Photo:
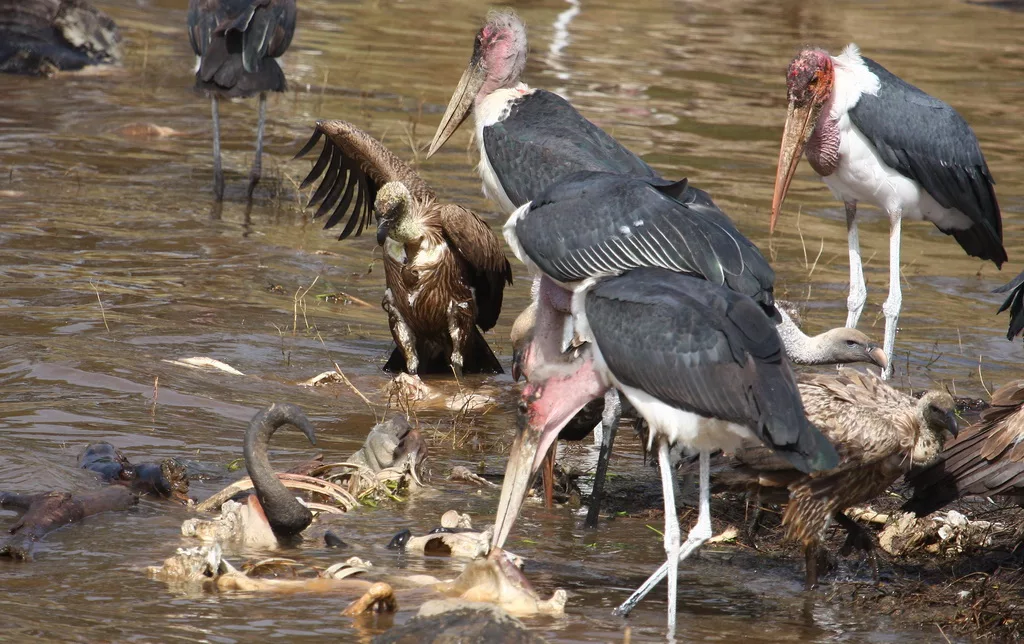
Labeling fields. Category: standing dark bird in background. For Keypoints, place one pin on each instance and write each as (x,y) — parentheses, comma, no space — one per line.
(880,434)
(885,142)
(445,270)
(986,460)
(236,42)
(39,37)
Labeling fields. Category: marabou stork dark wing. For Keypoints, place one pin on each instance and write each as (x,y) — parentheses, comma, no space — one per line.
(1015,302)
(986,460)
(233,37)
(472,238)
(595,223)
(354,166)
(544,139)
(707,350)
(926,140)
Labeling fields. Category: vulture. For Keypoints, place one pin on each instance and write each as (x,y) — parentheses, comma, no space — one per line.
(444,269)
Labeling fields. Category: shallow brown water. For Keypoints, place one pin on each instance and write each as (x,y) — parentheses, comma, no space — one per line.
(89,214)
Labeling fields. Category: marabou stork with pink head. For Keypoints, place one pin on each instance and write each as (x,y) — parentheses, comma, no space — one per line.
(876,139)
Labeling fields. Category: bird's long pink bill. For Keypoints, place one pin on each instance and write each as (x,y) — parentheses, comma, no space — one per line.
(460,105)
(800,122)
(551,405)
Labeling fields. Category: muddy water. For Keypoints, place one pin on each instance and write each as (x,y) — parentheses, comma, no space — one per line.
(114,259)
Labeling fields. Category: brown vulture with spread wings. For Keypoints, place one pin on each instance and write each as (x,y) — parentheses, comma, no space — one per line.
(445,270)
(986,460)
(880,434)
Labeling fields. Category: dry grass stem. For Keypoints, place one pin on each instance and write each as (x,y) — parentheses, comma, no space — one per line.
(103,312)
(348,382)
(300,299)
(982,378)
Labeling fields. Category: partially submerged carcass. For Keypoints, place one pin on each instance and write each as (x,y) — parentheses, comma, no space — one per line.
(50,511)
(41,37)
(391,455)
(166,479)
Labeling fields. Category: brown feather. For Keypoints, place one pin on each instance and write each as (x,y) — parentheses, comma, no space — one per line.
(987,459)
(878,432)
(373,158)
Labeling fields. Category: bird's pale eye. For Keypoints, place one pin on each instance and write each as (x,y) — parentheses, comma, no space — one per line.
(523,407)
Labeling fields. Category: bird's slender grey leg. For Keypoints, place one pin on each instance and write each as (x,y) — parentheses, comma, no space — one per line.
(609,424)
(218,172)
(894,302)
(700,533)
(402,333)
(257,164)
(671,531)
(858,289)
(458,339)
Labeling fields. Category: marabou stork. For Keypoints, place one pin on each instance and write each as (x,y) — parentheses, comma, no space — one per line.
(445,270)
(880,434)
(701,363)
(885,142)
(595,224)
(237,42)
(986,460)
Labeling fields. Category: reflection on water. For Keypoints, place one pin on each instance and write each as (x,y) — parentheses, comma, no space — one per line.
(114,259)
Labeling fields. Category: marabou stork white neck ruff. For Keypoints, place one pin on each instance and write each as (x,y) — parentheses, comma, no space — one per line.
(885,142)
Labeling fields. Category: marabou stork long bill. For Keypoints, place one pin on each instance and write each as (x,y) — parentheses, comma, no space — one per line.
(701,363)
(238,42)
(875,138)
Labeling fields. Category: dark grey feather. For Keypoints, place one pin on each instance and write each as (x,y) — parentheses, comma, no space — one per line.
(707,350)
(926,140)
(544,139)
(595,223)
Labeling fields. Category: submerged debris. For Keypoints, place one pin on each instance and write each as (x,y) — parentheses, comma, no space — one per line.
(454,620)
(949,533)
(41,37)
(379,598)
(49,511)
(206,363)
(166,479)
(496,579)
(455,537)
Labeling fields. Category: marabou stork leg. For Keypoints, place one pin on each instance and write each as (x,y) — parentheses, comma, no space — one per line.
(858,289)
(218,172)
(609,423)
(894,302)
(671,531)
(257,164)
(548,476)
(700,533)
